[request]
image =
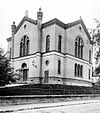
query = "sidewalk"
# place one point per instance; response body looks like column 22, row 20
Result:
column 15, row 108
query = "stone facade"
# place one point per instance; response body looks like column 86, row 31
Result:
column 42, row 66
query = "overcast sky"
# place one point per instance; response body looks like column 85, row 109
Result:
column 65, row 10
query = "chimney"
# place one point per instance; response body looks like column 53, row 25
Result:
column 26, row 13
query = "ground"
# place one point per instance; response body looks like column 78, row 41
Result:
column 84, row 106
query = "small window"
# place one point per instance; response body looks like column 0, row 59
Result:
column 25, row 26
column 89, row 74
column 81, row 71
column 46, row 62
column 75, row 69
column 59, row 67
column 47, row 43
column 90, row 56
column 59, row 43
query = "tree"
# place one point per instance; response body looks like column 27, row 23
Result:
column 95, row 37
column 6, row 71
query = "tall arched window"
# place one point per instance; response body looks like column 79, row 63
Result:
column 47, row 43
column 59, row 67
column 24, row 46
column 59, row 43
column 79, row 47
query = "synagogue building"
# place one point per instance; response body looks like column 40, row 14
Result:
column 52, row 52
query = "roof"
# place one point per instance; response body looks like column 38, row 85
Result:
column 54, row 21
column 57, row 22
column 67, row 26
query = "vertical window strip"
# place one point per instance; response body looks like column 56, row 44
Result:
column 89, row 73
column 89, row 55
column 75, row 69
column 59, row 67
column 81, row 73
column 59, row 43
column 76, row 49
column 48, row 43
column 78, row 70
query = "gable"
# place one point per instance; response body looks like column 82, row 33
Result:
column 22, row 21
column 83, row 26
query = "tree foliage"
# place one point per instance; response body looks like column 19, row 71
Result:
column 6, row 71
column 95, row 37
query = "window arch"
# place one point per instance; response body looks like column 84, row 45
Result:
column 79, row 47
column 24, row 46
column 59, row 67
column 59, row 43
column 48, row 43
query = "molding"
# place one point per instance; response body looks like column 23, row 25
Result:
column 26, row 55
column 72, row 79
column 75, row 58
column 56, row 53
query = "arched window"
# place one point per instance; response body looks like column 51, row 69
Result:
column 79, row 47
column 24, row 46
column 47, row 43
column 59, row 67
column 78, row 70
column 59, row 43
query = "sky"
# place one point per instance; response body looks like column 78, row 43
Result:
column 65, row 10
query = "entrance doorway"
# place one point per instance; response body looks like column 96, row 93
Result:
column 46, row 77
column 24, row 71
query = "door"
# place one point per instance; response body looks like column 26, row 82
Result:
column 25, row 75
column 46, row 77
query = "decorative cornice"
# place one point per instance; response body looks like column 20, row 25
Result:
column 9, row 39
column 22, row 21
column 54, row 21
